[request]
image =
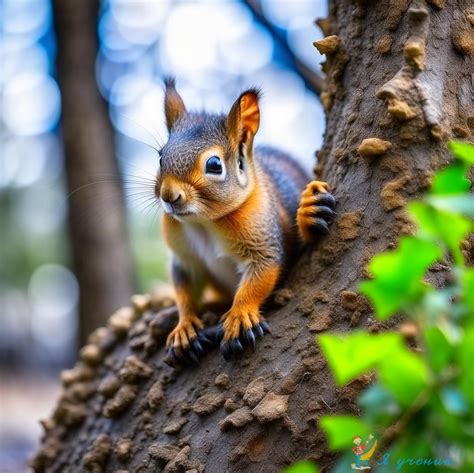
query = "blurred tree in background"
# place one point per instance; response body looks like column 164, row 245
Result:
column 123, row 49
column 96, row 211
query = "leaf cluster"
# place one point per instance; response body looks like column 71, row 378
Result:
column 422, row 404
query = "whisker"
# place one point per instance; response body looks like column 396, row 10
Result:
column 102, row 181
column 149, row 207
column 160, row 145
column 140, row 199
column 153, row 176
column 141, row 195
column 205, row 203
column 132, row 178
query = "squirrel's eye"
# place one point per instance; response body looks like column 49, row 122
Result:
column 241, row 164
column 213, row 165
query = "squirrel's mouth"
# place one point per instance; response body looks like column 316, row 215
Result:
column 182, row 213
column 175, row 211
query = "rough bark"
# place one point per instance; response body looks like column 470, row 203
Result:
column 261, row 413
column 99, row 246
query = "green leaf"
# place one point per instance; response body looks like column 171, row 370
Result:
column 463, row 151
column 446, row 226
column 340, row 430
column 459, row 204
column 468, row 290
column 404, row 375
column 349, row 356
column 466, row 362
column 304, row 466
column 438, row 349
column 451, row 180
column 397, row 275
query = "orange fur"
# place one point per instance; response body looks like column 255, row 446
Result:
column 188, row 319
column 304, row 226
column 187, row 307
column 250, row 113
column 254, row 289
column 214, row 295
column 172, row 186
column 305, row 215
column 316, row 186
column 174, row 105
column 171, row 231
column 242, row 220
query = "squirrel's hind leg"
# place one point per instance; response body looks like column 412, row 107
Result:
column 316, row 210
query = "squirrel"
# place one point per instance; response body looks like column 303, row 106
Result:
column 233, row 216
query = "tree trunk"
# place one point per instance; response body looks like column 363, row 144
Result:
column 399, row 75
column 101, row 258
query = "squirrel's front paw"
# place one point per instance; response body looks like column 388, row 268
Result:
column 240, row 329
column 183, row 342
column 316, row 210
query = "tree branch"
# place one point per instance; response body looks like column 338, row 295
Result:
column 312, row 79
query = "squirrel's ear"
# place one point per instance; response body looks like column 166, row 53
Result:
column 174, row 105
column 244, row 117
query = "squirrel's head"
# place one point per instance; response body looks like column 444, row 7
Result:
column 206, row 167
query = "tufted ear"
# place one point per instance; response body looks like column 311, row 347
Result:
column 244, row 118
column 174, row 105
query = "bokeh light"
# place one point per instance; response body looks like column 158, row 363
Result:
column 53, row 294
column 215, row 49
column 27, row 28
column 31, row 104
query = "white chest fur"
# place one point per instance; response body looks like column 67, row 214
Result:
column 215, row 255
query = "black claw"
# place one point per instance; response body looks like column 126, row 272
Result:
column 250, row 338
column 177, row 356
column 172, row 358
column 205, row 343
column 231, row 348
column 197, row 347
column 180, row 355
column 173, row 354
column 169, row 360
column 259, row 330
column 324, row 212
column 236, row 346
column 220, row 333
column 326, row 199
column 265, row 326
column 193, row 357
column 320, row 226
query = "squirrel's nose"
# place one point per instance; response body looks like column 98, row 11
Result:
column 170, row 196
